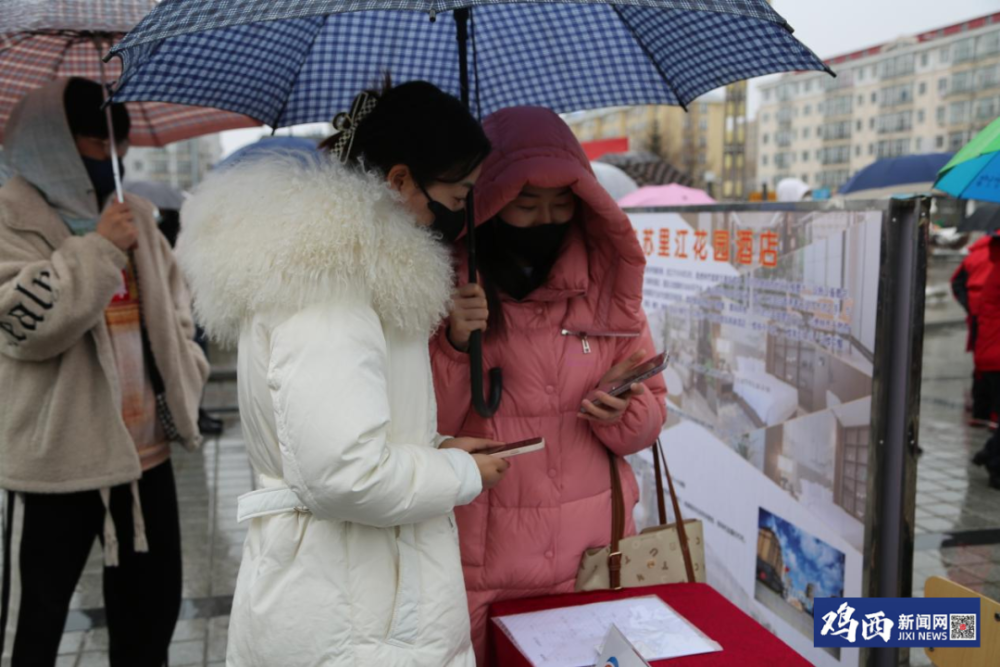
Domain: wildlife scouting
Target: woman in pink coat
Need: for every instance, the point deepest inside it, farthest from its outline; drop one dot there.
(561, 305)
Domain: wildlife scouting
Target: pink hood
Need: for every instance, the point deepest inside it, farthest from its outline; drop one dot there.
(533, 145)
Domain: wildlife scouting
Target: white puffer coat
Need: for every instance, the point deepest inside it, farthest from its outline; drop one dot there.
(331, 290)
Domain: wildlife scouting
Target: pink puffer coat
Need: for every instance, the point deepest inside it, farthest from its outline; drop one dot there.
(525, 537)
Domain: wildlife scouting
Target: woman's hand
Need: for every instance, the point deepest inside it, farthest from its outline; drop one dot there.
(491, 469)
(611, 409)
(469, 312)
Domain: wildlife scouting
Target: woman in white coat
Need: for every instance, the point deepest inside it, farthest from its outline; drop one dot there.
(331, 277)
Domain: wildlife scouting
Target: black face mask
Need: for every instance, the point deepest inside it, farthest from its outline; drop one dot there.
(537, 246)
(102, 176)
(449, 224)
(518, 260)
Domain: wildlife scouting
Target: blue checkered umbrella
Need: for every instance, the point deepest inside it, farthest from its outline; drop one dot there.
(285, 62)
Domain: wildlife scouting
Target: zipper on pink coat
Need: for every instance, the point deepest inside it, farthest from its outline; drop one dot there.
(585, 335)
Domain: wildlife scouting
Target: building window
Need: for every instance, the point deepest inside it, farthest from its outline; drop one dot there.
(893, 148)
(807, 110)
(805, 133)
(861, 100)
(940, 115)
(920, 144)
(923, 88)
(958, 112)
(942, 86)
(805, 178)
(874, 98)
(901, 65)
(851, 490)
(703, 124)
(857, 151)
(962, 82)
(860, 125)
(871, 123)
(988, 45)
(766, 138)
(988, 77)
(939, 141)
(923, 59)
(920, 116)
(763, 160)
(956, 140)
(986, 110)
(767, 117)
(767, 95)
(871, 149)
(901, 121)
(809, 86)
(805, 156)
(965, 50)
(945, 55)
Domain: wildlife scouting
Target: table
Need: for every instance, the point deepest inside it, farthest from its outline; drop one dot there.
(744, 642)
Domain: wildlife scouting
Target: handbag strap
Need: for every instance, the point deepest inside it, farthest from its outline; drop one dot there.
(658, 456)
(618, 515)
(617, 524)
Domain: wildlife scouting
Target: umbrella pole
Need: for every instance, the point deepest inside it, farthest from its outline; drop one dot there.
(485, 408)
(119, 191)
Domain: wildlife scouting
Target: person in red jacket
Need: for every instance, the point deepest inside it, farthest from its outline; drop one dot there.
(562, 309)
(987, 356)
(967, 286)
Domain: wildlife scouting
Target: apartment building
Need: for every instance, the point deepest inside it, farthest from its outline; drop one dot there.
(926, 93)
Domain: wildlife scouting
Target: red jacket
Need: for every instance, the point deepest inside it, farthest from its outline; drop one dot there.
(967, 283)
(986, 322)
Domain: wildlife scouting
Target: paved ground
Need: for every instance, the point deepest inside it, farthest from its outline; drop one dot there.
(958, 516)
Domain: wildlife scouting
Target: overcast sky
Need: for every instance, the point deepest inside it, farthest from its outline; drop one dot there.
(828, 27)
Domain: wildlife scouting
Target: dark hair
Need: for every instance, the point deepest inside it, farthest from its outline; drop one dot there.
(418, 125)
(82, 101)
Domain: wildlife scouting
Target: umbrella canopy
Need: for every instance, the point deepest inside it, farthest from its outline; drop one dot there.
(665, 195)
(974, 172)
(904, 174)
(646, 168)
(986, 218)
(614, 180)
(46, 39)
(299, 148)
(285, 62)
(792, 189)
(162, 195)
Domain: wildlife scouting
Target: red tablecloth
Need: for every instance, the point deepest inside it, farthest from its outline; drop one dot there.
(744, 641)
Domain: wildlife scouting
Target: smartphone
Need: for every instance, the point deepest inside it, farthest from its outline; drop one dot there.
(515, 448)
(640, 373)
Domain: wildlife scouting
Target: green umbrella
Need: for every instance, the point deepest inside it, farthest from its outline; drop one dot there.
(974, 172)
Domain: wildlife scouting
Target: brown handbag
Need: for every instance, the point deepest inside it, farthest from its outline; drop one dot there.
(663, 554)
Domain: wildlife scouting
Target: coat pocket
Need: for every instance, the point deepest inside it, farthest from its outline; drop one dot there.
(405, 625)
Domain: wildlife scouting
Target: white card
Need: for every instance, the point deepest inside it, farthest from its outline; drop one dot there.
(619, 652)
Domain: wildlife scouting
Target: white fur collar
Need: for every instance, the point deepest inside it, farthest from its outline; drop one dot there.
(277, 236)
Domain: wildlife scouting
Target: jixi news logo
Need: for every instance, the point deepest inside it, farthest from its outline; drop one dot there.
(912, 622)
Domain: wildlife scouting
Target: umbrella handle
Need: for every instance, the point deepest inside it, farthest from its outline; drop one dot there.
(115, 168)
(485, 407)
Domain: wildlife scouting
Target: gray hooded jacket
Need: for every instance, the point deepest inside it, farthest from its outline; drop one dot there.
(61, 428)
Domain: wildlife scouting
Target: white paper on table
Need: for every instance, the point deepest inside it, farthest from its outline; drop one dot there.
(572, 636)
(619, 652)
